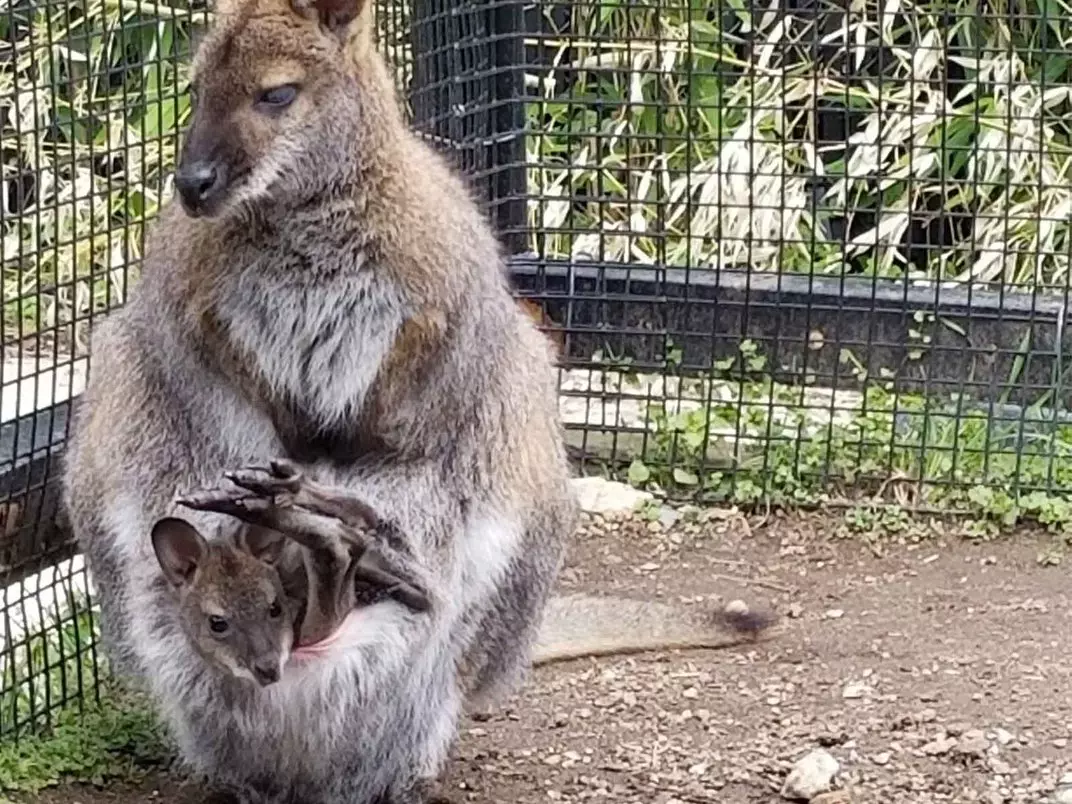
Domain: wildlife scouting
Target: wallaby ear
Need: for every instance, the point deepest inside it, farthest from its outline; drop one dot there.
(263, 543)
(179, 548)
(333, 15)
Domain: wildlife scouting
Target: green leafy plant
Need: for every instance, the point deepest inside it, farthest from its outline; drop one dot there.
(55, 663)
(740, 437)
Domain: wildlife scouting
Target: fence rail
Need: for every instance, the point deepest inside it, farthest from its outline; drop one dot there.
(789, 252)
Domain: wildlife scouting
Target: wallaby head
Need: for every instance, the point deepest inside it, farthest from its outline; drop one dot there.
(277, 104)
(231, 600)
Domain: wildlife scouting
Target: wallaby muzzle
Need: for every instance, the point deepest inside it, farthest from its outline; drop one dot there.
(200, 185)
(203, 175)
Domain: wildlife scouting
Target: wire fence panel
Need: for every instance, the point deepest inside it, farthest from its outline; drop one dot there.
(91, 95)
(808, 249)
(789, 253)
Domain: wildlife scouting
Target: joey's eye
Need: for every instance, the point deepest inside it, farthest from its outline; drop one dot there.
(217, 624)
(277, 97)
(275, 610)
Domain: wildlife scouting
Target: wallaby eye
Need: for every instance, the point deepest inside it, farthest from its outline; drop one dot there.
(275, 611)
(277, 97)
(217, 624)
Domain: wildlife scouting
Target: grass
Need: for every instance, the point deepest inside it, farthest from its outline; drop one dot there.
(72, 721)
(115, 741)
(54, 663)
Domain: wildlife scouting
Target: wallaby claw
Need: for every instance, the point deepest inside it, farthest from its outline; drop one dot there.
(234, 503)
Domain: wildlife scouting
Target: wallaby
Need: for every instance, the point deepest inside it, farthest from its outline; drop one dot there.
(324, 290)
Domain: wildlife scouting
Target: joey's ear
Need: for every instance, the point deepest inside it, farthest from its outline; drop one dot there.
(263, 543)
(179, 548)
(333, 15)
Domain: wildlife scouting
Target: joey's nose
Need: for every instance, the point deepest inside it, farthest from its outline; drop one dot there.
(199, 184)
(266, 672)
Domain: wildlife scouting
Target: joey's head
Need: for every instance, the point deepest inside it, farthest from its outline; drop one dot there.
(231, 600)
(278, 107)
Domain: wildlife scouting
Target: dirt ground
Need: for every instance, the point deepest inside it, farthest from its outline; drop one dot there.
(932, 673)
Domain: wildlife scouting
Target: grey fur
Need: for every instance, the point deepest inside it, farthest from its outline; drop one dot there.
(309, 281)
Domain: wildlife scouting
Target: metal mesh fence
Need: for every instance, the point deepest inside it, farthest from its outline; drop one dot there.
(796, 252)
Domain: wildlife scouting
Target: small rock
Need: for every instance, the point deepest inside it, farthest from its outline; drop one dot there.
(1003, 737)
(882, 758)
(795, 610)
(668, 517)
(834, 614)
(943, 745)
(1060, 742)
(736, 607)
(972, 743)
(811, 775)
(1000, 768)
(597, 495)
(855, 690)
(1063, 795)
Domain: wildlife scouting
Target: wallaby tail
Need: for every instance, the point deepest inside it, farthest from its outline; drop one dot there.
(576, 626)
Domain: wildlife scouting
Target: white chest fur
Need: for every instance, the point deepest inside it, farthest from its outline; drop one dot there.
(321, 342)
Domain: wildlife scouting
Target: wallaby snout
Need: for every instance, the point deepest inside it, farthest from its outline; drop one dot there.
(266, 671)
(200, 184)
(210, 158)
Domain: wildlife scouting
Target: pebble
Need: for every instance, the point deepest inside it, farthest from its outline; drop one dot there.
(811, 775)
(943, 745)
(855, 690)
(1000, 767)
(972, 743)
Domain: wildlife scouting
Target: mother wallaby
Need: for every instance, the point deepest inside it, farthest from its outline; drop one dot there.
(324, 290)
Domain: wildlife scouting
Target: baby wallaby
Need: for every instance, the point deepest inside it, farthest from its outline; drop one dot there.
(331, 530)
(232, 603)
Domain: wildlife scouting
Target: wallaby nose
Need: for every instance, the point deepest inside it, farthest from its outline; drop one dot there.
(266, 672)
(198, 183)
